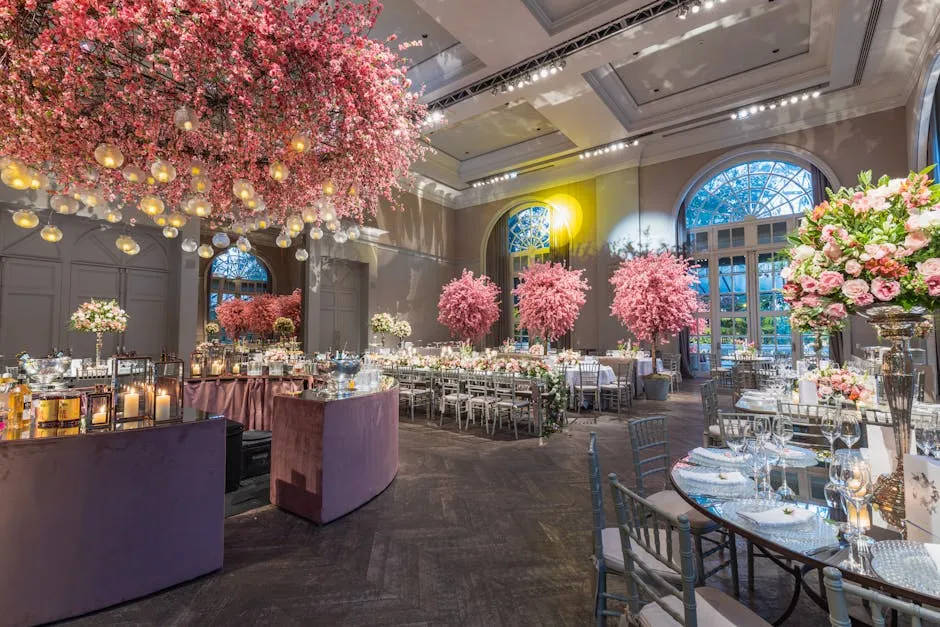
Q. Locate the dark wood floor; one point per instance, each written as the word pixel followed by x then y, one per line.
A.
pixel 472 532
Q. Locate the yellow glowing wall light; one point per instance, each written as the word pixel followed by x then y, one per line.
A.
pixel 567 217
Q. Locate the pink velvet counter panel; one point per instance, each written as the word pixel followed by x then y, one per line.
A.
pixel 100 519
pixel 328 458
pixel 248 400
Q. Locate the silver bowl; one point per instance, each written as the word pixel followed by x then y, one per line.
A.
pixel 347 367
pixel 46 370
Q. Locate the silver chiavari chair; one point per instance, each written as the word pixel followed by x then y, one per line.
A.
pixel 807 422
pixel 414 390
pixel 453 393
pixel 875 603
pixel 509 402
pixel 711 435
pixel 480 395
pixel 587 385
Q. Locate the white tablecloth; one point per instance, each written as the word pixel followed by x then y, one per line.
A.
pixel 605 374
pixel 644 366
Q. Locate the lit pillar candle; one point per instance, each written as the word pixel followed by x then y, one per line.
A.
pixel 100 417
pixel 196 369
pixel 236 368
pixel 162 406
pixel 131 404
pixel 216 368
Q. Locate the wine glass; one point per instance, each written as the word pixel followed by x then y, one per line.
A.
pixel 925 432
pixel 755 463
pixel 736 430
pixel 829 427
pixel 856 489
pixel 850 431
pixel 762 428
pixel 783 433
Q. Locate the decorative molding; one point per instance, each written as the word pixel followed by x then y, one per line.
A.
pixel 572 18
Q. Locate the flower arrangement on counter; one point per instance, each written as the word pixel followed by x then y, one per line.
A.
pixel 871 244
pixel 537 349
pixel 550 299
pixel 401 329
pixel 99 316
pixel 568 358
pixel 469 306
pixel 382 323
pixel 212 328
pixel 276 355
pixel 283 327
pixel 744 349
pixel 654 297
pixel 832 382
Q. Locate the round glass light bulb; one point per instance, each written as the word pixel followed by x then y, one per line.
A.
pixel 278 171
pixel 243 244
pixel 340 237
pixel 238 228
pixel 205 251
pixel 283 240
pixel 92 197
pixel 65 205
pixel 189 245
pixel 332 225
pixel 185 119
pixel 301 254
pixel 134 249
pixel 17 178
pixel 243 189
pixel 51 233
pixel 328 188
pixel 327 214
pixel 221 240
pixel 126 244
pixel 160 220
pixel 199 206
pixel 200 183
pixel 316 233
pixel 114 216
pixel 309 215
pixel 38 180
pixel 176 220
pixel 300 142
pixel 91 175
pixel 197 167
pixel 353 232
pixel 262 222
pixel 133 174
pixel 151 205
pixel 25 219
pixel 109 156
pixel 11 162
pixel 170 232
pixel 294 224
pixel 163 171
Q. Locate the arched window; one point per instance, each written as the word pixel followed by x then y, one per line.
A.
pixel 529 229
pixel 737 220
pixel 234 274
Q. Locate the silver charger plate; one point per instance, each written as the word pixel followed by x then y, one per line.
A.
pixel 803 537
pixel 805 459
pixel 689 485
pixel 731 460
pixel 906 564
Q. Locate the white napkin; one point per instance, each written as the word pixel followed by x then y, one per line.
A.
pixel 933 550
pixel 723 478
pixel 779 516
pixel 718 455
pixel 789 452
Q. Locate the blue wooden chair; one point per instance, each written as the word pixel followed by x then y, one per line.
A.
pixel 608 556
pixel 659 570
pixel 875 603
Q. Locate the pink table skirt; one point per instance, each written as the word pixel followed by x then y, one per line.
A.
pixel 248 400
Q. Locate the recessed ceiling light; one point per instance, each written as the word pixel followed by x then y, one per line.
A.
pixel 794 100
pixel 815 94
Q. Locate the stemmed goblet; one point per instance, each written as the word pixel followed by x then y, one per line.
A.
pixel 783 433
pixel 857 488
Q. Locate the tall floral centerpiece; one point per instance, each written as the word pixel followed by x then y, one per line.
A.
pixel 381 324
pixel 872 250
pixel 655 299
pixel 550 299
pixel 99 317
pixel 469 306
pixel 401 329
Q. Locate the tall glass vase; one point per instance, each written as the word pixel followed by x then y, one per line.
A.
pixel 897 373
pixel 99 341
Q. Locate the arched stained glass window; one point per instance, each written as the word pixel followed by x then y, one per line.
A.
pixel 762 189
pixel 530 229
pixel 234 274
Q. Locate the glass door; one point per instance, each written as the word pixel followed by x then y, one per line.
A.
pixel 732 304
pixel 776 337
pixel 700 338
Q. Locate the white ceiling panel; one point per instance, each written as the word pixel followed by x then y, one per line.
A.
pixel 409 23
pixel 495 129
pixel 719 53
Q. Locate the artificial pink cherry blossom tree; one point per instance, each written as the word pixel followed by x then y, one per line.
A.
pixel 469 306
pixel 654 297
pixel 550 299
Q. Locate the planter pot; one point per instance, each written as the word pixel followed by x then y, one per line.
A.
pixel 657 388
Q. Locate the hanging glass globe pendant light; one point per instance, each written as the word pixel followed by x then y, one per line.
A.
pixel 205 251
pixel 283 240
pixel 301 254
pixel 221 240
pixel 170 232
pixel 25 219
pixel 127 245
pixel 63 204
pixel 243 244
pixel 51 233
pixel 109 156
pixel 189 245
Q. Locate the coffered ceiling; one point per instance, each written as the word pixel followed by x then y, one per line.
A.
pixel 670 83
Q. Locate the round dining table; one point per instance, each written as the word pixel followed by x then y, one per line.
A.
pixel 797 550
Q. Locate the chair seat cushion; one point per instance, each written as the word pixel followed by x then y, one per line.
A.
pixel 712 607
pixel 670 502
pixel 613 552
pixel 413 392
pixel 456 397
pixel 714 431
pixel 517 403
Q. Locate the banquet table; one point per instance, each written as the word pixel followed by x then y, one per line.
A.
pixel 797 549
pixel 244 399
pixel 605 375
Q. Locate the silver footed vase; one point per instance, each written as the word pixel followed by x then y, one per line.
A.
pixel 897 374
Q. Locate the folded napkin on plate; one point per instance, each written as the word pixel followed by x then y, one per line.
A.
pixel 933 550
pixel 789 452
pixel 718 455
pixel 732 477
pixel 783 515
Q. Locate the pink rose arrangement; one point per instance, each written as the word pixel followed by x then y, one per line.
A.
pixel 848 384
pixel 550 299
pixel 868 245
pixel 99 316
pixel 469 306
pixel 654 296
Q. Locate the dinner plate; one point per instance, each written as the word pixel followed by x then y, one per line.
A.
pixel 802 537
pixel 906 564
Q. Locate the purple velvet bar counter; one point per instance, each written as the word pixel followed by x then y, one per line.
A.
pixel 331 455
pixel 94 520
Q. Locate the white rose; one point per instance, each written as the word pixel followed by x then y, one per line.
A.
pixel 803 252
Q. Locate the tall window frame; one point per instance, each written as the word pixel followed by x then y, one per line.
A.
pixel 529 240
pixel 736 221
pixel 235 274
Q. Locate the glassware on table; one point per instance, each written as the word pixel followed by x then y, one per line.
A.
pixel 755 463
pixel 925 433
pixel 736 431
pixel 857 489
pixel 762 428
pixel 850 431
pixel 830 428
pixel 783 433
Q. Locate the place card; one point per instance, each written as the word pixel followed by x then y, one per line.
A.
pixel 922 497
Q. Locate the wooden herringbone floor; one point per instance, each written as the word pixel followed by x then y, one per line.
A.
pixel 472 532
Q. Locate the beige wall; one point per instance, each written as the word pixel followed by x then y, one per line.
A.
pixel 624 204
